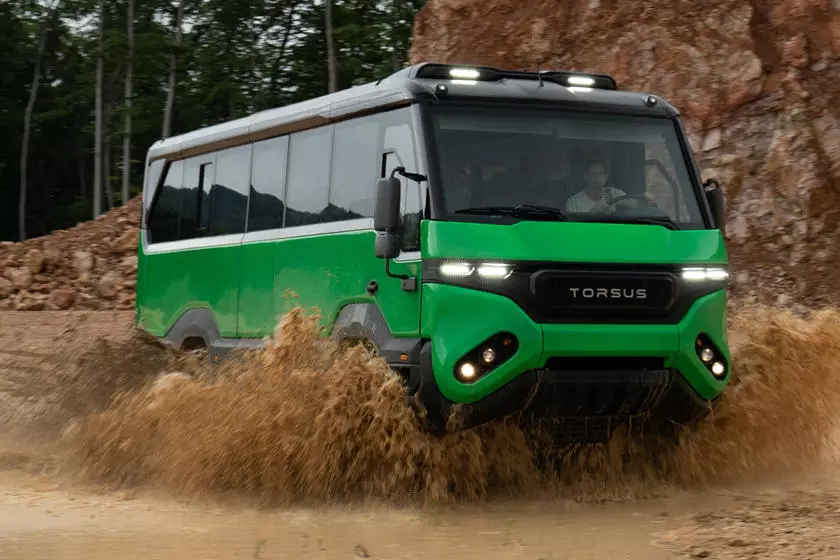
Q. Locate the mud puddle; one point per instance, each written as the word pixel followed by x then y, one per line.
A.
pixel 40 519
pixel 135 465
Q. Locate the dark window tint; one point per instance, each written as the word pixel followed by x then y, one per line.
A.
pixel 354 169
pixel 229 195
pixel 164 221
pixel 309 176
pixel 153 172
pixel 190 198
pixel 268 179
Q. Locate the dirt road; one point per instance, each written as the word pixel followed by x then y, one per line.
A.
pixel 45 513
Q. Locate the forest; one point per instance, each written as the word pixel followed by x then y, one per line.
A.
pixel 86 86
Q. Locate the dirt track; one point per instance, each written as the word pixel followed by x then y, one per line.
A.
pixel 45 514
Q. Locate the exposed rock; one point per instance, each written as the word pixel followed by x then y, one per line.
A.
pixel 20 277
pixel 757 84
pixel 52 256
pixel 35 261
pixel 109 285
pixel 6 288
pixel 129 263
pixel 83 261
pixel 62 298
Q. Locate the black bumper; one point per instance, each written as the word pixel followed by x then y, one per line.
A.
pixel 586 404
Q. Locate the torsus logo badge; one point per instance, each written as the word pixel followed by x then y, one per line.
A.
pixel 621 294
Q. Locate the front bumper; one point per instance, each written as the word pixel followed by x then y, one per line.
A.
pixel 569 371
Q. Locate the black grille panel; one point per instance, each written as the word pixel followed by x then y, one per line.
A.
pixel 574 394
pixel 604 363
pixel 566 294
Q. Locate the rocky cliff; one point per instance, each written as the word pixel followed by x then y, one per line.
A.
pixel 758 84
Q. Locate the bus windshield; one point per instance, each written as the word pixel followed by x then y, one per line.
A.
pixel 559 164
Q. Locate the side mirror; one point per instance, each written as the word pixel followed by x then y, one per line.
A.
pixel 386 218
pixel 714 195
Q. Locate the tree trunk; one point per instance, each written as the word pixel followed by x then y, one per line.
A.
pixel 82 170
pixel 97 151
pixel 173 64
pixel 106 158
pixel 126 170
pixel 27 124
pixel 331 62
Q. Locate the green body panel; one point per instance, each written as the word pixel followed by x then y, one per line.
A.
pixel 573 242
pixel 708 316
pixel 257 300
pixel 325 273
pixel 457 319
pixel 178 281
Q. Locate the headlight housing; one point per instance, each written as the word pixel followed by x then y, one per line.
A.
pixel 705 273
pixel 490 270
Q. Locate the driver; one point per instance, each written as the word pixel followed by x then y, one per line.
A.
pixel 595 196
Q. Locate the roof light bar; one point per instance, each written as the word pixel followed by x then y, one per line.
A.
pixel 584 81
pixel 433 71
pixel 465 73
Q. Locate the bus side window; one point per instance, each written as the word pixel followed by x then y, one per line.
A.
pixel 165 215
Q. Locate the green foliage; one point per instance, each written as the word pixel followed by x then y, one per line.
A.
pixel 236 57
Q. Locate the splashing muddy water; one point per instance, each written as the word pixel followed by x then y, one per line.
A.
pixel 305 422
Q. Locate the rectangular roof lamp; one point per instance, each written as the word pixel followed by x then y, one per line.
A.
pixel 432 71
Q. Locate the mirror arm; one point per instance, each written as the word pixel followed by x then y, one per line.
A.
pixel 389 273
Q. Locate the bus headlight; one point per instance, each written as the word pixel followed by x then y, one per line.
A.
pixel 486 270
pixel 699 274
pixel 710 355
pixel 494 271
pixel 486 357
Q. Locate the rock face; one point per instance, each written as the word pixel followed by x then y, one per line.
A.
pixel 91 266
pixel 758 85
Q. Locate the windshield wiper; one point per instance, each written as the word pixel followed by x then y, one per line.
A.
pixel 652 220
pixel 519 211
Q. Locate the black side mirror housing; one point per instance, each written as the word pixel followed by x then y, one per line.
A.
pixel 714 195
pixel 386 218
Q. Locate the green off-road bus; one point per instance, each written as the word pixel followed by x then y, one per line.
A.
pixel 527 244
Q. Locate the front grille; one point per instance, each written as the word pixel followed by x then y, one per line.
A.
pixel 604 363
pixel 616 394
pixel 595 294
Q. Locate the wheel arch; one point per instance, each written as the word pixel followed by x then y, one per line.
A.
pixel 366 321
pixel 192 326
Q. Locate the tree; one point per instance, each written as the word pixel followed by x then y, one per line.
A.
pixel 100 85
pixel 27 120
pixel 332 69
pixel 126 170
pixel 173 62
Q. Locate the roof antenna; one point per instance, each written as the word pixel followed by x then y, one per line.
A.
pixel 539 74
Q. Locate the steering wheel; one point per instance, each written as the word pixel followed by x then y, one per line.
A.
pixel 640 197
pixel 650 207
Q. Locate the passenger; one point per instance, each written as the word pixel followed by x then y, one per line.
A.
pixel 595 196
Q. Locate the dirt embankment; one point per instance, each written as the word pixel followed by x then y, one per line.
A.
pixel 91 266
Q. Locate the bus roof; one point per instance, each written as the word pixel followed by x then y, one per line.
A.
pixel 424 81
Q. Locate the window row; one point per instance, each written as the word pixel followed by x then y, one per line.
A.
pixel 327 174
